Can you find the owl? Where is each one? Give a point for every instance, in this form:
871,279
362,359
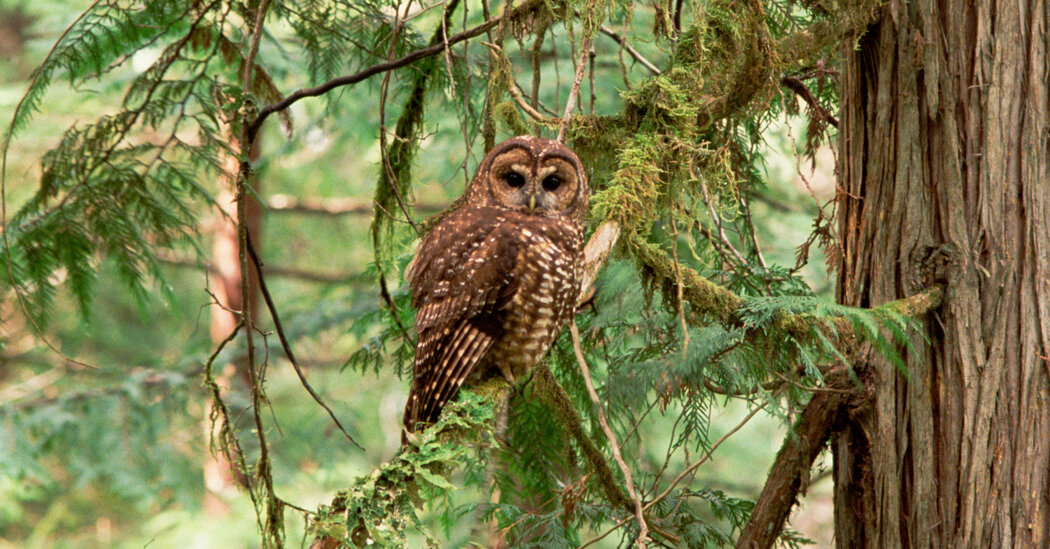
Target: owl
497,278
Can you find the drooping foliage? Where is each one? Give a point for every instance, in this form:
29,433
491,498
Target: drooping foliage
688,316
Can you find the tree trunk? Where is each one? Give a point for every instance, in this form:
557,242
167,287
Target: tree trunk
944,178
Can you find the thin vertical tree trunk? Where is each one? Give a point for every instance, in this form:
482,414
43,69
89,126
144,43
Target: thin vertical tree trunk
220,476
945,177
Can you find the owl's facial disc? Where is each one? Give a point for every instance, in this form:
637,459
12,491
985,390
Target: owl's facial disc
537,177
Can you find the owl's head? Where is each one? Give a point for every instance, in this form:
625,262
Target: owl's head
532,175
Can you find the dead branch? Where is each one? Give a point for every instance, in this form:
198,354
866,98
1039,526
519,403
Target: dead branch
627,47
643,528
570,104
284,342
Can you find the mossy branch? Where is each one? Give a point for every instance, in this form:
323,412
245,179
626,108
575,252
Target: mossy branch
710,301
382,507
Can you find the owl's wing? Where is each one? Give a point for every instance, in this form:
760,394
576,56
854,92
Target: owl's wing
459,291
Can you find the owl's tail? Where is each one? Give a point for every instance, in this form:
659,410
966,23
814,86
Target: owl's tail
435,383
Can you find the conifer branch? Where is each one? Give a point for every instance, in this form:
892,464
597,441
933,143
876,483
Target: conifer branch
434,49
378,507
714,301
788,475
794,460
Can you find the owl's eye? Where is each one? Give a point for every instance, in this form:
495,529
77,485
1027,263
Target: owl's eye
551,182
514,179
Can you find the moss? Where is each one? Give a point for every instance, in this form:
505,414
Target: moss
509,116
380,508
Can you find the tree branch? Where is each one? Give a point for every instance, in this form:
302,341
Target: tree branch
253,127
574,92
790,471
634,53
794,460
797,86
287,348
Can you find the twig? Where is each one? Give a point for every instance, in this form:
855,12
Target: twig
692,467
537,47
798,163
707,455
634,53
222,410
512,88
643,528
570,104
717,220
678,288
287,348
746,204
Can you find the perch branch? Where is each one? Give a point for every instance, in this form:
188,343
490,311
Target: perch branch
392,490
596,253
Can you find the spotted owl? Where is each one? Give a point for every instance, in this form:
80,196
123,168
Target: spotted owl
497,278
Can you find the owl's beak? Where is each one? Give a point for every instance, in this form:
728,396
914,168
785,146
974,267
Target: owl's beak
532,202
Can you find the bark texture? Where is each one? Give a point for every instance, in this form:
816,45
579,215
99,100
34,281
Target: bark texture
945,177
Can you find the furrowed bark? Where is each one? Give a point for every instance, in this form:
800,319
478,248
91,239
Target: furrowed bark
944,178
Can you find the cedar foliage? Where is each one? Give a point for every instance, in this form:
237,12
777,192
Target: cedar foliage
687,316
